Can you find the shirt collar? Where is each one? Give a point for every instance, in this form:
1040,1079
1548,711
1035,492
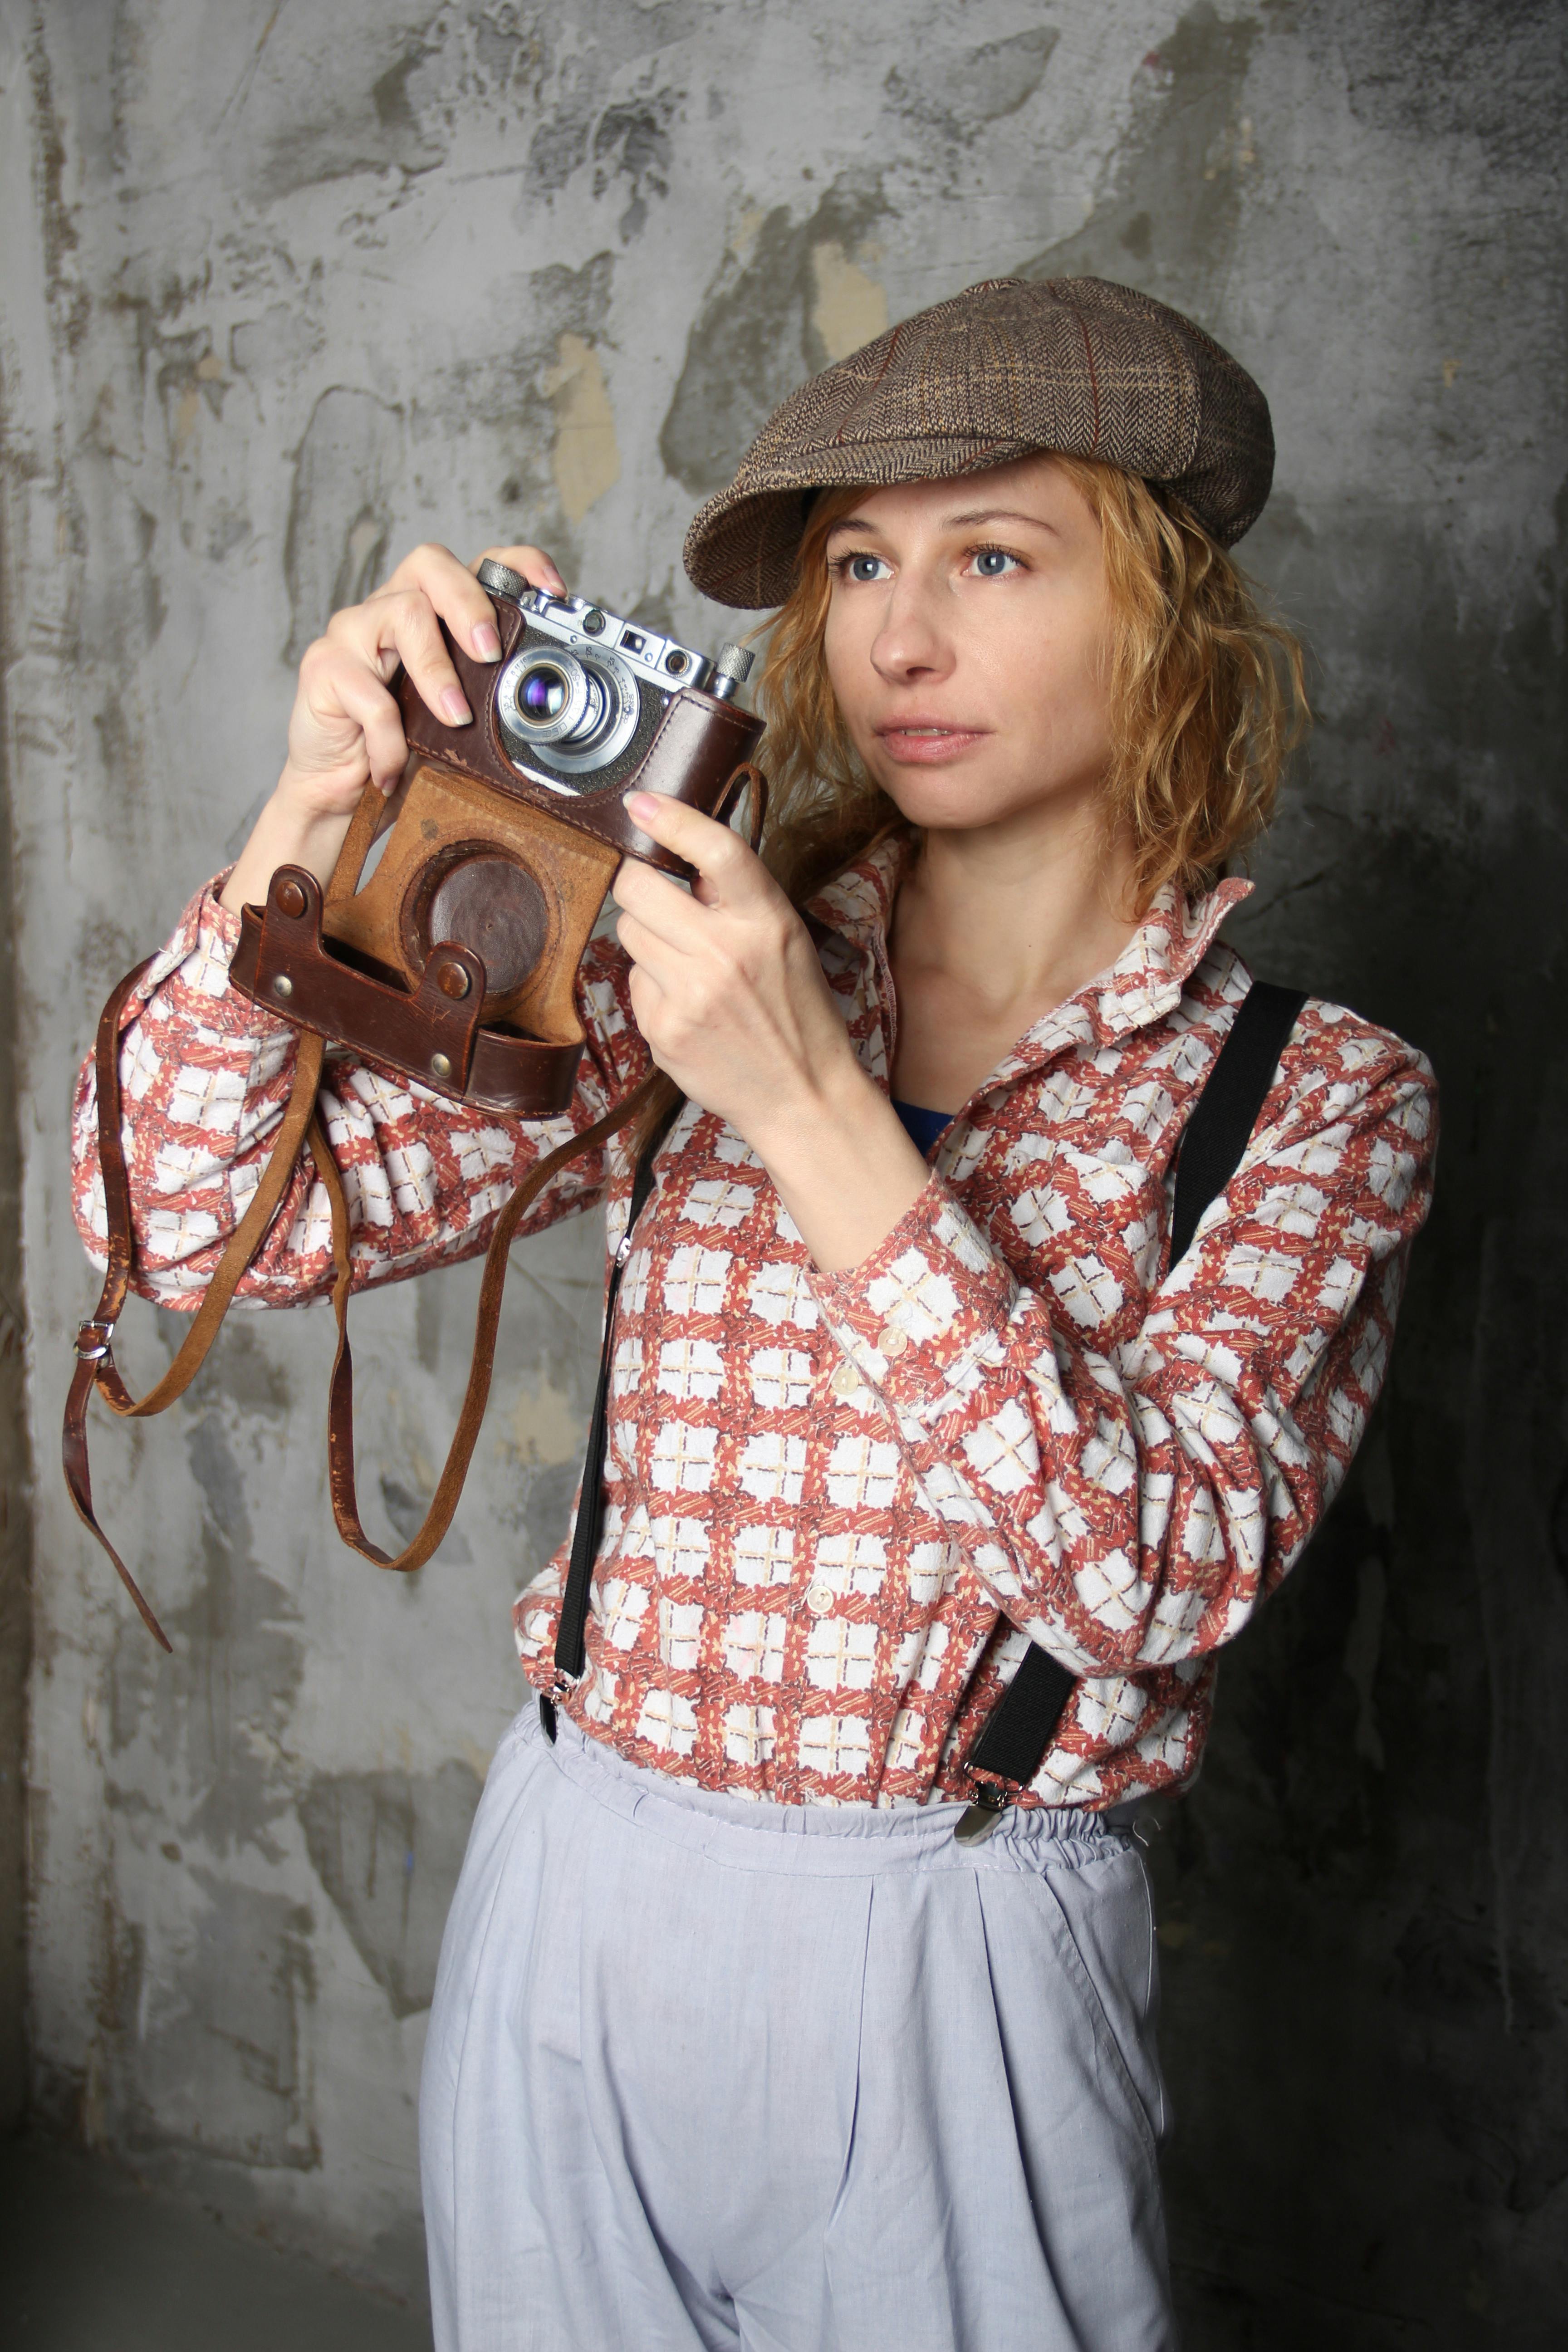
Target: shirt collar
859,902
1142,986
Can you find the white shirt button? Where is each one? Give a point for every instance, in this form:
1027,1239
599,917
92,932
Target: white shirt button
820,1599
891,1340
845,1381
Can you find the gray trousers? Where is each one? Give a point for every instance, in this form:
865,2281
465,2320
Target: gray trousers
705,2073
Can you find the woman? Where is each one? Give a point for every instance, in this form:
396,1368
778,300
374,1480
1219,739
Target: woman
733,2043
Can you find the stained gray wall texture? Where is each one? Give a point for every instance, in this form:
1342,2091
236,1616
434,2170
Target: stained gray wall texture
287,288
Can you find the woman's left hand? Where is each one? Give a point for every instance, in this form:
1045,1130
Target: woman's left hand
728,993
725,983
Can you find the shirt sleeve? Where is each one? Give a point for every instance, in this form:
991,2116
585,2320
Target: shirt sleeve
1128,1504
205,1075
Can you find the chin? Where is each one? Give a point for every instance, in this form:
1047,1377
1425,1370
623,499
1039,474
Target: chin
947,801
965,798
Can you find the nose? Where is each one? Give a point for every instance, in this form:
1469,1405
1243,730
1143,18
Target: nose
911,643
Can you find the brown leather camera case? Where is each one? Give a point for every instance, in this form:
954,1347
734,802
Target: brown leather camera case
456,961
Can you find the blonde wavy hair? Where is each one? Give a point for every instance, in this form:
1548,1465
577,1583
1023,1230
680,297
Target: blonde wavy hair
1206,691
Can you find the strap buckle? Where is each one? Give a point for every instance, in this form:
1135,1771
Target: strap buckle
93,1341
982,1817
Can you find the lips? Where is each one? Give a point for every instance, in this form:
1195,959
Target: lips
927,743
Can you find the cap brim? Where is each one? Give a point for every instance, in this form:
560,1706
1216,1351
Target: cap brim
743,545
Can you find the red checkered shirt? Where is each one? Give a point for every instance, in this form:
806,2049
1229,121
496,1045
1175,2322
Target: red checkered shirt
839,1504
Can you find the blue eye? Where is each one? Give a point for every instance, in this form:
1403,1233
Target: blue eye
864,567
994,562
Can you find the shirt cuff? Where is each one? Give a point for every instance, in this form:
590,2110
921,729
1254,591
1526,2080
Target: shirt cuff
913,1316
192,971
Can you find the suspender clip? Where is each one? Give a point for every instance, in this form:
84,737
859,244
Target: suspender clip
982,1817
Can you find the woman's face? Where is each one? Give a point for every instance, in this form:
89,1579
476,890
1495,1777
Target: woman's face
967,640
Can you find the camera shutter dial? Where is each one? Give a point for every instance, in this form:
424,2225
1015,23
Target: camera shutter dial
500,580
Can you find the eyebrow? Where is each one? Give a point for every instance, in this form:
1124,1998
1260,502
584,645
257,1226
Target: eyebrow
956,522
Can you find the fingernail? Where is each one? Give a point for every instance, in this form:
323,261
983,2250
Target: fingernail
455,707
642,806
487,641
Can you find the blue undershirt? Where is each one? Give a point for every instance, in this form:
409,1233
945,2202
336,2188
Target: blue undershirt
922,1126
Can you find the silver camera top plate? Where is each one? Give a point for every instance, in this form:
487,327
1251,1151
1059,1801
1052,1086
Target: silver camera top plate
661,661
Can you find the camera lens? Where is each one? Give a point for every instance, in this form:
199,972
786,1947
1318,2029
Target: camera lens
550,698
543,694
574,711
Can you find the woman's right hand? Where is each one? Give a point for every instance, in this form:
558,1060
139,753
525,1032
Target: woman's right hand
345,730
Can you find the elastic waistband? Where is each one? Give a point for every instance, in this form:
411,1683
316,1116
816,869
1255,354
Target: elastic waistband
817,1841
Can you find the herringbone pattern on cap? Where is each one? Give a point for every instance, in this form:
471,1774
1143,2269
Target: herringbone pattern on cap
1005,371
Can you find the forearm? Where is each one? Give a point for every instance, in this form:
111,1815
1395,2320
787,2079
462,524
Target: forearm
287,832
1123,1513
1129,1504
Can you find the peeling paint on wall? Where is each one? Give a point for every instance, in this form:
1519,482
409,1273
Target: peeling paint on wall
346,473
961,95
848,308
1167,214
586,458
764,325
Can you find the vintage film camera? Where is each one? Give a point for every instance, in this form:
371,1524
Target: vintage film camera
453,959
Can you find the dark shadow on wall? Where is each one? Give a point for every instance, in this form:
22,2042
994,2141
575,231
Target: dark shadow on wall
1364,1902
15,1467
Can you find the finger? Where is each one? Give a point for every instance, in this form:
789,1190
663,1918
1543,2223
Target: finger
666,959
400,625
662,911
720,855
536,567
449,584
375,711
647,1002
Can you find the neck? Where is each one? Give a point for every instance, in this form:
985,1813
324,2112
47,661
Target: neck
1017,915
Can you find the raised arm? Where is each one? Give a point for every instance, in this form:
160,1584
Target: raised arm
345,731
1126,1503
206,1073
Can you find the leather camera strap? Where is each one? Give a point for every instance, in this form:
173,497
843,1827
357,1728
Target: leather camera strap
1016,1735
95,1365
341,1406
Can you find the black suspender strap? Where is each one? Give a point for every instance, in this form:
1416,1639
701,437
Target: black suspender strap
571,1652
1233,1094
1018,1733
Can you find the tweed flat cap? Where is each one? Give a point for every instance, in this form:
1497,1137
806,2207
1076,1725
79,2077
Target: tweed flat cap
1007,370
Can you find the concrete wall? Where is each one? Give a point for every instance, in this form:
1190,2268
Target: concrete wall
286,288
